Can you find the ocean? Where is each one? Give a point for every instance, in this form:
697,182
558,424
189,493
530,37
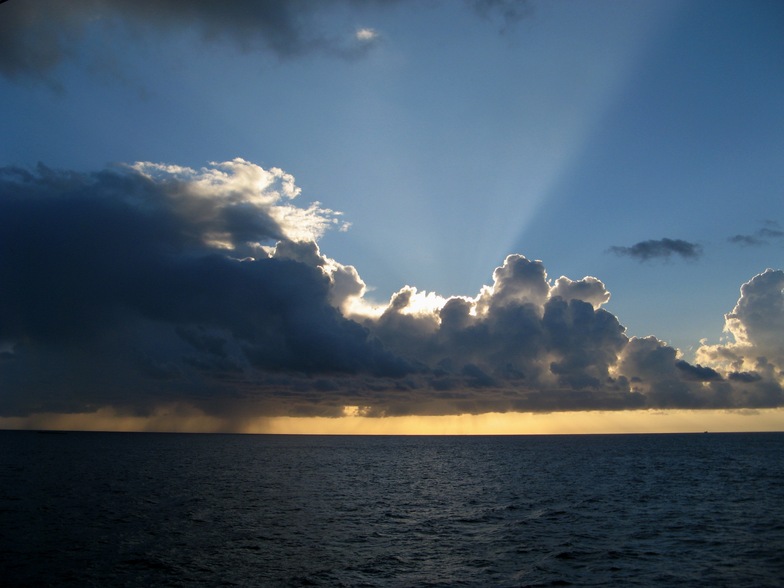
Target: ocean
145,509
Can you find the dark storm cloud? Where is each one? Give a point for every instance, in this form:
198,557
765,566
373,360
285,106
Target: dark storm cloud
117,274
152,285
659,249
697,372
35,36
746,377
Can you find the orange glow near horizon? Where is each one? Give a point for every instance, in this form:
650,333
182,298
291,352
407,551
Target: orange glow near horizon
179,419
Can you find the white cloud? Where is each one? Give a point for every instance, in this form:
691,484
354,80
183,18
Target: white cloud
366,35
238,206
756,327
589,289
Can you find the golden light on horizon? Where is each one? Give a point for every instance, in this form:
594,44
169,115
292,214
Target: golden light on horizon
187,419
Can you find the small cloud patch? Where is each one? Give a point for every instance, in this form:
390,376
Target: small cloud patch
366,35
659,249
768,234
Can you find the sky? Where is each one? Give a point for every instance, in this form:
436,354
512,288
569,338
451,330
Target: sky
392,216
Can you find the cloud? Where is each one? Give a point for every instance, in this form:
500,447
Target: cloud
749,240
771,232
366,35
661,248
506,12
754,357
589,289
755,326
35,37
146,286
158,278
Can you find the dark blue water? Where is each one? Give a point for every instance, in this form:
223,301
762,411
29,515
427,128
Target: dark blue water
115,509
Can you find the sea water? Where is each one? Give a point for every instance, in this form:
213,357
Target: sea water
125,509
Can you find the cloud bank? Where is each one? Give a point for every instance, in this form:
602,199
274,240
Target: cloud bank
155,285
37,36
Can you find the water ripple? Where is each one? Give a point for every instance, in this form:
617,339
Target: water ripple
186,510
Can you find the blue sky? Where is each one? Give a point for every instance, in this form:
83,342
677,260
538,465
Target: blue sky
641,143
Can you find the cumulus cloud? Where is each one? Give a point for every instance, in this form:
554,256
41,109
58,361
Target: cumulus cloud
659,249
37,36
755,328
157,278
753,359
589,289
151,285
